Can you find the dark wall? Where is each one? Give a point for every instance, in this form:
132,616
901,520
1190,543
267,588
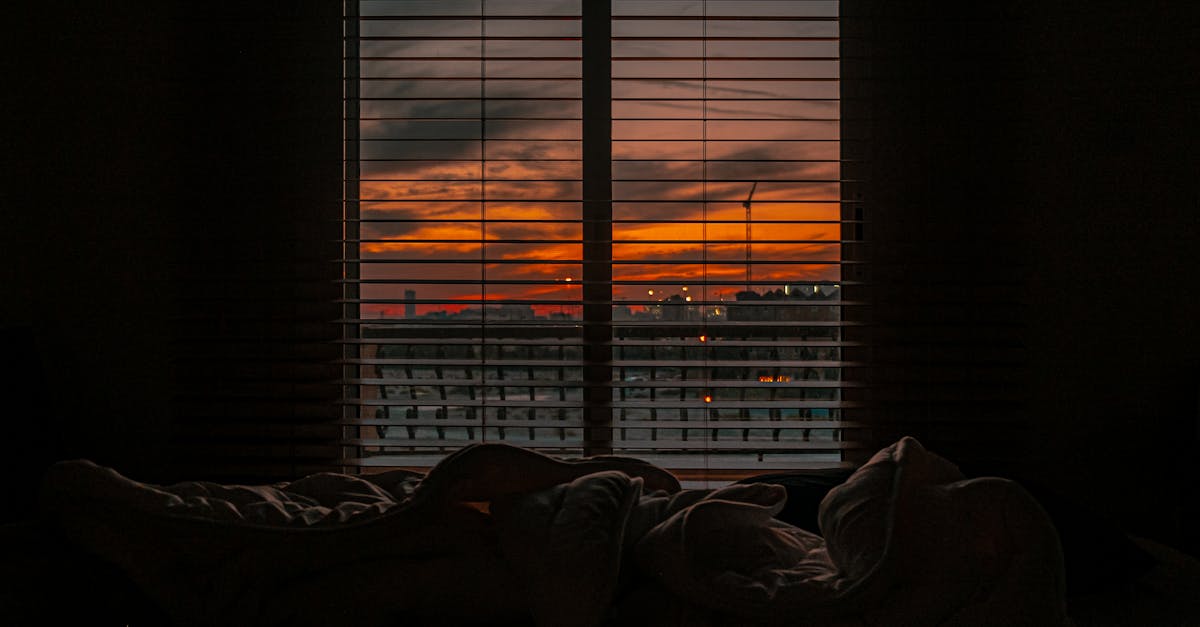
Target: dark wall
1032,197
90,166
256,238
172,176
1109,127
932,102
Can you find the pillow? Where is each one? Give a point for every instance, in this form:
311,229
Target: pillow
857,517
1097,554
909,530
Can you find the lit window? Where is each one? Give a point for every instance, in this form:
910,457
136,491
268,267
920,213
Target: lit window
617,232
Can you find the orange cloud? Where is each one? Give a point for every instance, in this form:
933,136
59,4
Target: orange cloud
530,243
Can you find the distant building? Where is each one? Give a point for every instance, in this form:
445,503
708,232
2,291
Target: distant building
796,302
676,308
410,303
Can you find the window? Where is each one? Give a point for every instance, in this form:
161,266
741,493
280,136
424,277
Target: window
594,227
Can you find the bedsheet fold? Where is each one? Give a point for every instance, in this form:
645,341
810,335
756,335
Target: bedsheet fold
496,533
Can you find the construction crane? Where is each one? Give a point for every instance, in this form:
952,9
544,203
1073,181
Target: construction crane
746,205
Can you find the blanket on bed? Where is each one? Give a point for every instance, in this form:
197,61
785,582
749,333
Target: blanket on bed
496,533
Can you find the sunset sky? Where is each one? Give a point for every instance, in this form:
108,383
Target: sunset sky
465,179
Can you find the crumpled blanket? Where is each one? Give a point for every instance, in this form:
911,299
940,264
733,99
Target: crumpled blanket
495,533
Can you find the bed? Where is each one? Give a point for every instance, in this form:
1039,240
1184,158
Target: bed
497,535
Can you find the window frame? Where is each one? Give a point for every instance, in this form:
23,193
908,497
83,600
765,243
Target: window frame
597,242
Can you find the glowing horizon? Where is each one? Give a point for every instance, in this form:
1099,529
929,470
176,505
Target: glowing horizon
471,189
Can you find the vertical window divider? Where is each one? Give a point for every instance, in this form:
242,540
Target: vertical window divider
483,225
704,347
597,227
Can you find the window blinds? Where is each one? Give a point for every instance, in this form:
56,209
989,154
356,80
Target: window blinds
597,227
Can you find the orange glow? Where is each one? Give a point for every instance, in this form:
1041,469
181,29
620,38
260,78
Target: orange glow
446,231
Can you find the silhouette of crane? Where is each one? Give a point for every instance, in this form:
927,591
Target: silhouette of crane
746,204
